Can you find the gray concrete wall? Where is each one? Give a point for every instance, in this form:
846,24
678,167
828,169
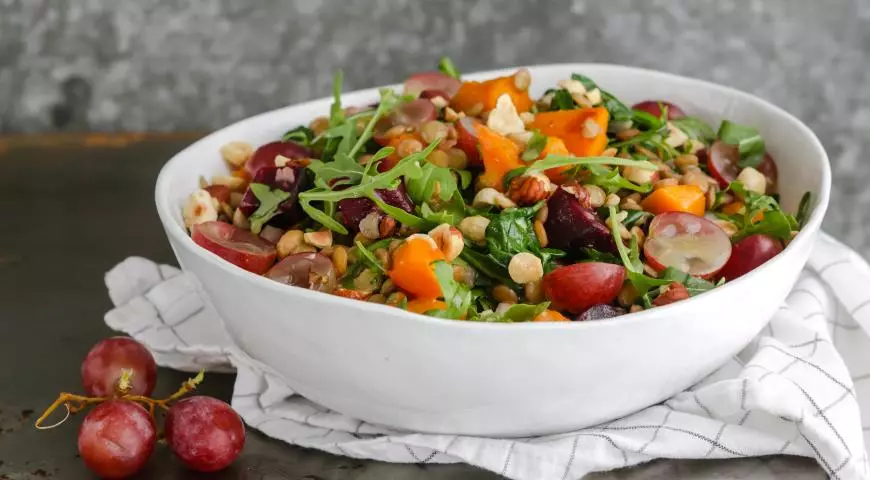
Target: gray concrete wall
196,65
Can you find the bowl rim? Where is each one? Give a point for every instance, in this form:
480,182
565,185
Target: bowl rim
806,234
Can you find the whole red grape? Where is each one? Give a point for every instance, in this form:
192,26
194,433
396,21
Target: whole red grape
102,368
205,433
116,438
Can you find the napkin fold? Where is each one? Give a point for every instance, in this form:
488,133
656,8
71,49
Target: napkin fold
797,389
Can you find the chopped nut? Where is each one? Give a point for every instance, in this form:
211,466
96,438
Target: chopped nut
395,131
408,146
199,209
665,182
282,161
433,130
387,227
753,180
628,133
339,259
448,239
596,195
438,158
609,152
697,178
388,287
591,129
711,195
240,220
383,256
729,228
236,199
638,234
650,271
237,153
425,237
450,115
319,125
457,159
439,102
229,181
464,274
594,96
369,226
627,295
639,176
530,189
475,109
649,154
521,139
504,118
474,228
534,291
528,118
635,309
541,233
504,294
542,214
522,79
573,86
320,239
612,200
367,281
676,137
685,162
630,202
525,267
491,196
378,297
290,242
581,100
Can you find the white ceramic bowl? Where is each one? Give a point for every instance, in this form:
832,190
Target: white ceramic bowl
387,366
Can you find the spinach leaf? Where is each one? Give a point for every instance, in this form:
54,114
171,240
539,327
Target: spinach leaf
645,120
447,67
301,135
618,111
562,100
695,128
511,232
423,188
747,139
773,222
803,211
487,265
592,255
694,285
270,201
520,312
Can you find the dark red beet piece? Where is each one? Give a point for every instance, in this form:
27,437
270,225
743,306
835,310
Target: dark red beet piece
292,179
571,227
600,312
353,210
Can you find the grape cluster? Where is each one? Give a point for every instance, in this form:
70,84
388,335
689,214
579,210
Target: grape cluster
117,437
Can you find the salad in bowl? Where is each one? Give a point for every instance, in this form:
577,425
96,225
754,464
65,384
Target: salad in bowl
474,201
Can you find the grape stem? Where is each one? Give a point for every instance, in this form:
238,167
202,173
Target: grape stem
76,403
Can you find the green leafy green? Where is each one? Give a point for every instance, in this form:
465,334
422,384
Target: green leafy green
694,285
456,295
270,201
434,180
612,181
336,114
369,257
803,211
555,161
695,128
562,100
447,67
657,137
645,120
535,146
516,313
593,255
774,222
618,111
636,217
301,135
630,257
748,141
487,265
511,232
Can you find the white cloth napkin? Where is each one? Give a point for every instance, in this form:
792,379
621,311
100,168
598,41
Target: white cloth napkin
795,390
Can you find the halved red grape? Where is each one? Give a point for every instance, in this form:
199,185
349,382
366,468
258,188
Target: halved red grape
430,94
581,286
265,155
220,193
239,247
571,227
103,366
467,139
415,113
205,433
654,108
722,162
600,312
770,172
307,270
689,243
116,438
748,254
432,81
676,292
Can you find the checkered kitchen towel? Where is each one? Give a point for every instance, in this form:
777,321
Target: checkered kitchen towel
795,390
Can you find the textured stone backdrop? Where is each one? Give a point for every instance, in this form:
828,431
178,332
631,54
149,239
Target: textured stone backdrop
181,65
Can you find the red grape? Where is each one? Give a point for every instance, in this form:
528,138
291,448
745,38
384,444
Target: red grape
580,286
102,367
220,193
419,82
722,160
307,270
748,254
239,247
770,172
654,108
467,139
205,433
265,155
687,242
415,113
116,438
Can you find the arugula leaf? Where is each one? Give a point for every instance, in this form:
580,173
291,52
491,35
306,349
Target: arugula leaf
465,178
554,161
747,139
336,114
618,111
635,217
774,221
592,255
423,188
516,313
803,211
535,146
562,100
452,213
301,135
630,257
368,257
645,120
695,128
270,201
612,181
694,285
456,295
487,265
447,67
657,137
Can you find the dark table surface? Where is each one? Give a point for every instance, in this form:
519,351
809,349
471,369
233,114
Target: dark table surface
71,207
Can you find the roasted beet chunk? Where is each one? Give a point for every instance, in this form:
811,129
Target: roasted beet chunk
600,312
571,227
265,155
292,179
353,210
